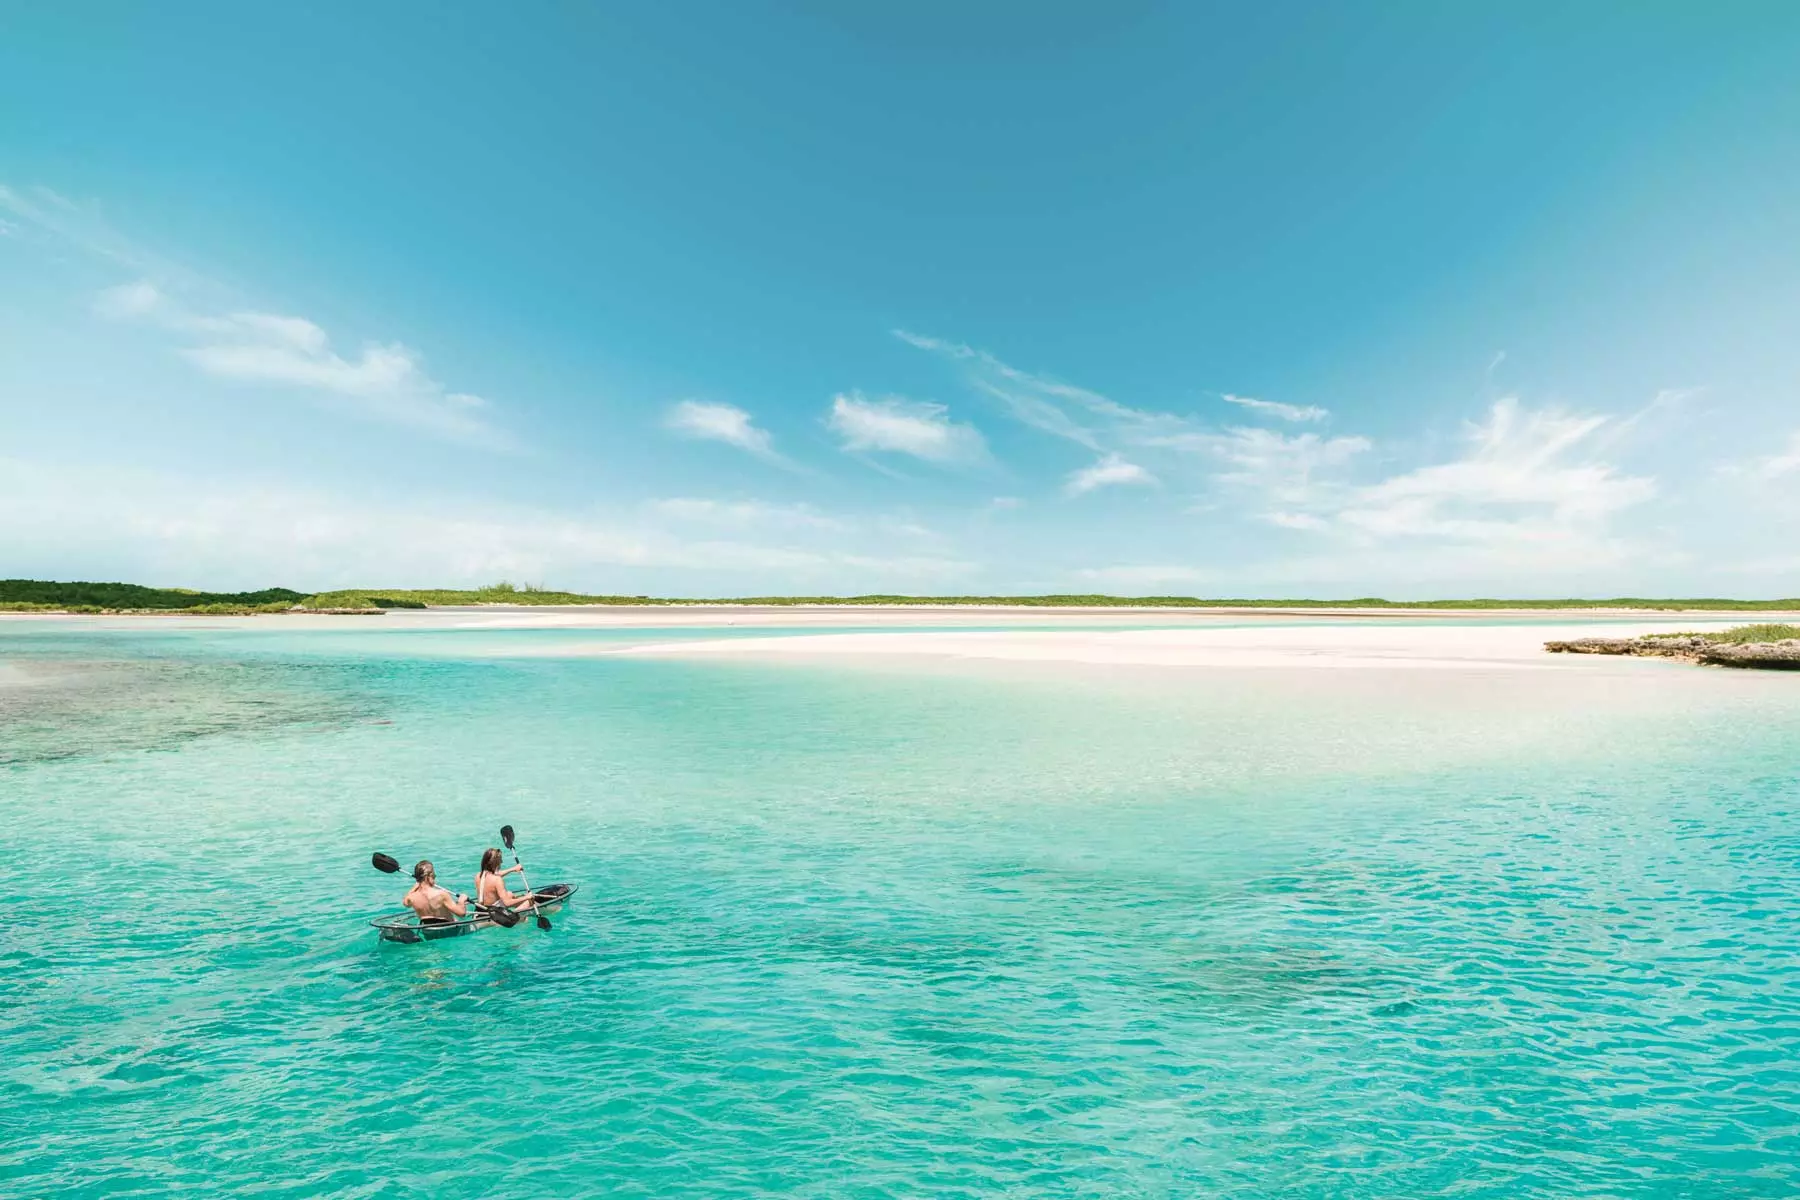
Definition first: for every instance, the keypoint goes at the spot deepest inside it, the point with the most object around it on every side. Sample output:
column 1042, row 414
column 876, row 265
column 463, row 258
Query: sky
column 741, row 298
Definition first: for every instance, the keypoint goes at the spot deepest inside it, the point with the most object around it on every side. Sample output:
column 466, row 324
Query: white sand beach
column 1169, row 638
column 1325, row 644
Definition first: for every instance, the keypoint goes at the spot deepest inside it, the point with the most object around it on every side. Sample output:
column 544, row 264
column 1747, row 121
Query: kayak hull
column 407, row 928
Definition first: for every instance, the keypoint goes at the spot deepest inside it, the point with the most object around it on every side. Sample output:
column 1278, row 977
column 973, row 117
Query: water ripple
column 1565, row 978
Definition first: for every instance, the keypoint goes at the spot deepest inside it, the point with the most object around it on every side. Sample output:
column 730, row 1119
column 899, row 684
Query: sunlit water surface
column 856, row 933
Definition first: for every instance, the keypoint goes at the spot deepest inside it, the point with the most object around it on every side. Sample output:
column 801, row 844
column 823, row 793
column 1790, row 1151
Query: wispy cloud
column 39, row 206
column 129, row 300
column 1178, row 443
column 62, row 519
column 1295, row 520
column 1541, row 480
column 1780, row 464
column 44, row 214
column 897, row 425
column 714, row 421
column 746, row 514
column 1274, row 408
column 1275, row 467
column 1526, row 475
column 1110, row 471
column 1033, row 400
column 383, row 381
column 1142, row 575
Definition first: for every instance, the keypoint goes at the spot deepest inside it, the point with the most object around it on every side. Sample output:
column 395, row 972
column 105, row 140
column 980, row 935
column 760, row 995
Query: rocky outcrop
column 1640, row 647
column 1775, row 656
column 1772, row 656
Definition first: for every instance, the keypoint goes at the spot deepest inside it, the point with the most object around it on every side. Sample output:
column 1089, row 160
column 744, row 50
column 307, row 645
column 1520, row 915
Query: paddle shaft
column 543, row 922
column 525, row 883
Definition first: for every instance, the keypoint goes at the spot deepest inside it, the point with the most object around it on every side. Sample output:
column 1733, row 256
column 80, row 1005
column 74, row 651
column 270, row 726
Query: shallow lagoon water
column 855, row 932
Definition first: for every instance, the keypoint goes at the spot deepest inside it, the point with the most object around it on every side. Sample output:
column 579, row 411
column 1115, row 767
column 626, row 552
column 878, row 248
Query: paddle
column 506, row 835
column 505, row 918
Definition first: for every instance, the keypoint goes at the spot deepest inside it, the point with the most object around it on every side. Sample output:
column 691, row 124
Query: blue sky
column 727, row 299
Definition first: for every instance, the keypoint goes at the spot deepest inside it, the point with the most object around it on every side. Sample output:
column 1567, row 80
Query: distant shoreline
column 873, row 610
column 50, row 597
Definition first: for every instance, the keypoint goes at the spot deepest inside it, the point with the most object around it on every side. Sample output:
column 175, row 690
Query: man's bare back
column 431, row 902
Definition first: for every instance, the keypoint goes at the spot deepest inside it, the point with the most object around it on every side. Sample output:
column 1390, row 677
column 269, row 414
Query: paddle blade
column 384, row 863
column 506, row 835
column 543, row 921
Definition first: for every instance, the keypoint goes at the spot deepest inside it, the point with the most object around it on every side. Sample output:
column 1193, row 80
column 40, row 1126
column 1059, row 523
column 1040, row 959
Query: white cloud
column 1529, row 476
column 1274, row 408
column 1278, row 467
column 1525, row 476
column 718, row 422
column 45, row 215
column 901, row 426
column 1530, row 503
column 1294, row 520
column 1032, row 400
column 746, row 514
column 1140, row 576
column 901, row 527
column 1177, row 444
column 72, row 522
column 1110, row 471
column 128, row 300
column 1785, row 461
column 384, row 381
column 54, row 198
column 1541, row 482
column 17, row 202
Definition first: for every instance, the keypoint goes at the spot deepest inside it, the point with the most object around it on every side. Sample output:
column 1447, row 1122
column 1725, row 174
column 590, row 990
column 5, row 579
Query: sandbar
column 1329, row 644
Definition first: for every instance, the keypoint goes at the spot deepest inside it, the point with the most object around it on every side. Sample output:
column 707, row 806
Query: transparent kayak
column 406, row 926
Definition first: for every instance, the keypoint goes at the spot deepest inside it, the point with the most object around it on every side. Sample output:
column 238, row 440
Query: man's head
column 424, row 872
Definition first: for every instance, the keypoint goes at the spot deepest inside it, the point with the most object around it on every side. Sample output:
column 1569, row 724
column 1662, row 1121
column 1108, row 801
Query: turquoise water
column 847, row 932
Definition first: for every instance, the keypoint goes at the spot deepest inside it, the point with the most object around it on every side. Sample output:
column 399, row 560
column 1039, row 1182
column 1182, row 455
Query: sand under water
column 1088, row 906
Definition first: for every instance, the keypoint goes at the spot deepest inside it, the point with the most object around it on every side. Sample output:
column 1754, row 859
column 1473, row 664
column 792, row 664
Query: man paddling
column 432, row 903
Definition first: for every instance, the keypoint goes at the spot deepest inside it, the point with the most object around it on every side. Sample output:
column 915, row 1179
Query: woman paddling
column 490, row 882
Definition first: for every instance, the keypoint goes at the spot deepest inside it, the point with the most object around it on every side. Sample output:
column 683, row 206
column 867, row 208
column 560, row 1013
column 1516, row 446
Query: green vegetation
column 1741, row 635
column 37, row 595
column 506, row 593
column 30, row 595
column 1092, row 601
column 499, row 593
column 1745, row 634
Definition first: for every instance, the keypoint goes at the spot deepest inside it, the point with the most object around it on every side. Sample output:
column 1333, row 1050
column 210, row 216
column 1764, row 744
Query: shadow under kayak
column 406, row 927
